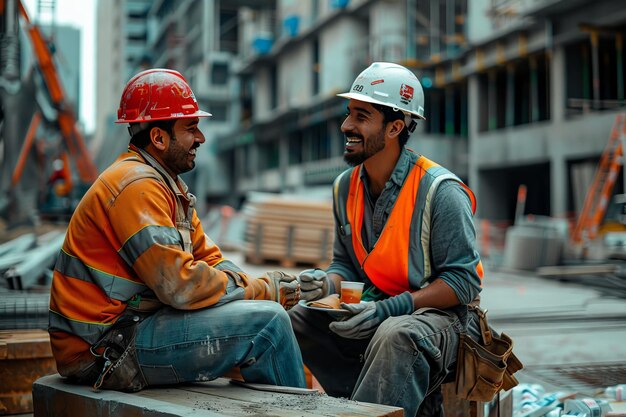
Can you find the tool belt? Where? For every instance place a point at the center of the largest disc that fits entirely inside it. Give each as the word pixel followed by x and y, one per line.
pixel 118 361
pixel 485 367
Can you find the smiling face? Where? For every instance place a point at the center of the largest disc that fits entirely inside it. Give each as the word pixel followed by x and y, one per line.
pixel 180 155
pixel 364 131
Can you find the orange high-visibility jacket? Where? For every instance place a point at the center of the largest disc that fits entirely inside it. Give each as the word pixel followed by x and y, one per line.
pixel 410 268
pixel 127 238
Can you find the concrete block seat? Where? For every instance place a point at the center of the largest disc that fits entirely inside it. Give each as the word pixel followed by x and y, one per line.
pixel 53 396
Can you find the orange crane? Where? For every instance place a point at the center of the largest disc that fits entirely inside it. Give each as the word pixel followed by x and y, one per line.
pixel 601 189
pixel 66 120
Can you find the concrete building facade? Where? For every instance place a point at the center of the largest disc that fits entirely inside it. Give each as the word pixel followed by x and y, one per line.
pixel 289 136
pixel 517 92
pixel 121 48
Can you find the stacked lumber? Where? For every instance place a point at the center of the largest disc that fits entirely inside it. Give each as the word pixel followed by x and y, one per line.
pixel 290 230
pixel 25 356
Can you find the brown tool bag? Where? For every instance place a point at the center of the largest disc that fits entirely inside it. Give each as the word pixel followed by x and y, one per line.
pixel 485 367
pixel 118 360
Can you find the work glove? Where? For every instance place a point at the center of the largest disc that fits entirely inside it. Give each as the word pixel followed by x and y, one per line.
pixel 367 316
pixel 283 288
pixel 315 284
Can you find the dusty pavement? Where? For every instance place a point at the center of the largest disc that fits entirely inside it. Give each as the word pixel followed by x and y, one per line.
pixel 570 337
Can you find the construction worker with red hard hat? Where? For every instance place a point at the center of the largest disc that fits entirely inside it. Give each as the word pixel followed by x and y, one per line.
pixel 404 228
pixel 141 295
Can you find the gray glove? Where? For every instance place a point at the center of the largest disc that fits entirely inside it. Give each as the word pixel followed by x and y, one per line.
pixel 315 284
pixel 367 316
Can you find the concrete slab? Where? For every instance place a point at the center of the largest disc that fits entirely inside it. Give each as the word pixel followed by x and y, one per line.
pixel 53 397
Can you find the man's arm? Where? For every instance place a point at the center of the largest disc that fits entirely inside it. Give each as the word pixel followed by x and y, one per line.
pixel 341 267
pixel 438 295
pixel 150 244
pixel 453 250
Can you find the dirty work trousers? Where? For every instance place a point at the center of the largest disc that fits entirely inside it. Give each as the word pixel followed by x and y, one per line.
pixel 403 364
pixel 200 345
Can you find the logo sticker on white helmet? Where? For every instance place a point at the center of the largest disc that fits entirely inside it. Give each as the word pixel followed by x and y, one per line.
pixel 406 93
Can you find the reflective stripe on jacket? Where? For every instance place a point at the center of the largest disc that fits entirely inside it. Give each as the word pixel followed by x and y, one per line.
pixel 411 214
pixel 126 238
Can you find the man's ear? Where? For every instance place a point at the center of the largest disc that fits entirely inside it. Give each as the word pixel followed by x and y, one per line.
pixel 395 128
pixel 157 137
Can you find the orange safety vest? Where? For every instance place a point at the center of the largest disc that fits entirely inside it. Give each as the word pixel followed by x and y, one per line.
pixel 407 271
pixel 106 260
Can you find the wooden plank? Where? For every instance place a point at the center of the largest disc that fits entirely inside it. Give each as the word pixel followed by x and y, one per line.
pixel 289 232
pixel 22 344
pixel 316 251
pixel 53 397
pixel 25 355
pixel 226 399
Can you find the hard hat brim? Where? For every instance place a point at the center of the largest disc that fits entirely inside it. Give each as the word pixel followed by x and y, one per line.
pixel 368 99
pixel 199 113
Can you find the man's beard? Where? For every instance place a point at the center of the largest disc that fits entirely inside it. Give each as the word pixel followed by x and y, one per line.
pixel 176 157
pixel 372 146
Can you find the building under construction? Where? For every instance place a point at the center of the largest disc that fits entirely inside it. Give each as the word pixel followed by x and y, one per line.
pixel 517 92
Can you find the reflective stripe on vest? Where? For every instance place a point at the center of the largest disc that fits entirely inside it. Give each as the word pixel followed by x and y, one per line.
pixel 405 272
pixel 144 239
pixel 115 287
pixel 88 331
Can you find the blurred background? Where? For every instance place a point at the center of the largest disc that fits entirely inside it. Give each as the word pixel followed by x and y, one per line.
pixel 518 92
pixel 524 101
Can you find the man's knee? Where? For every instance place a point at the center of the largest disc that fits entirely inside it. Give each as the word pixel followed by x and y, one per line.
pixel 409 335
pixel 266 311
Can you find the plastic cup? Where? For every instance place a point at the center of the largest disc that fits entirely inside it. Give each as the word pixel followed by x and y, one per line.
pixel 351 292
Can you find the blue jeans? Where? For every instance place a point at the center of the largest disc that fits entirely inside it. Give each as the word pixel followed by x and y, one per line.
pixel 176 346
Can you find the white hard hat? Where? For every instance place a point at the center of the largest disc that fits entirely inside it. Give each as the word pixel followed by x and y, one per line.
pixel 390 85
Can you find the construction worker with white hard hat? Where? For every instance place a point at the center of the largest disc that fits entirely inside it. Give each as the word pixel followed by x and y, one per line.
pixel 136 273
pixel 404 228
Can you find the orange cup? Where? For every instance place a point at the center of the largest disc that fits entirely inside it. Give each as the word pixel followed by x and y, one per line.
pixel 351 292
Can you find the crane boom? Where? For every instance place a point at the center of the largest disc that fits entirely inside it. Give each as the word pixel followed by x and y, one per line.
pixel 66 120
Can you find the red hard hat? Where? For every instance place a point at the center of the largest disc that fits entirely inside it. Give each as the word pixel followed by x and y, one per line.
pixel 157 94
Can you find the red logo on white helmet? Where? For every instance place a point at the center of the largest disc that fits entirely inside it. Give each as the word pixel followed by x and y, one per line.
pixel 406 93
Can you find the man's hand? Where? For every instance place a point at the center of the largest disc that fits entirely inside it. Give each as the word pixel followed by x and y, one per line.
pixel 284 288
pixel 367 316
pixel 315 284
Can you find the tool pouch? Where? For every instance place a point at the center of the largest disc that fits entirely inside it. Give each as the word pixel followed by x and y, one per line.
pixel 118 361
pixel 485 367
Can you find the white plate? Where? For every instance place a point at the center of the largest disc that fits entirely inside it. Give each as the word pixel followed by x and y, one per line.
pixel 333 312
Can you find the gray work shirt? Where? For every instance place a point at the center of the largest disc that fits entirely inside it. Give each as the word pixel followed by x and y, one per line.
pixel 453 238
